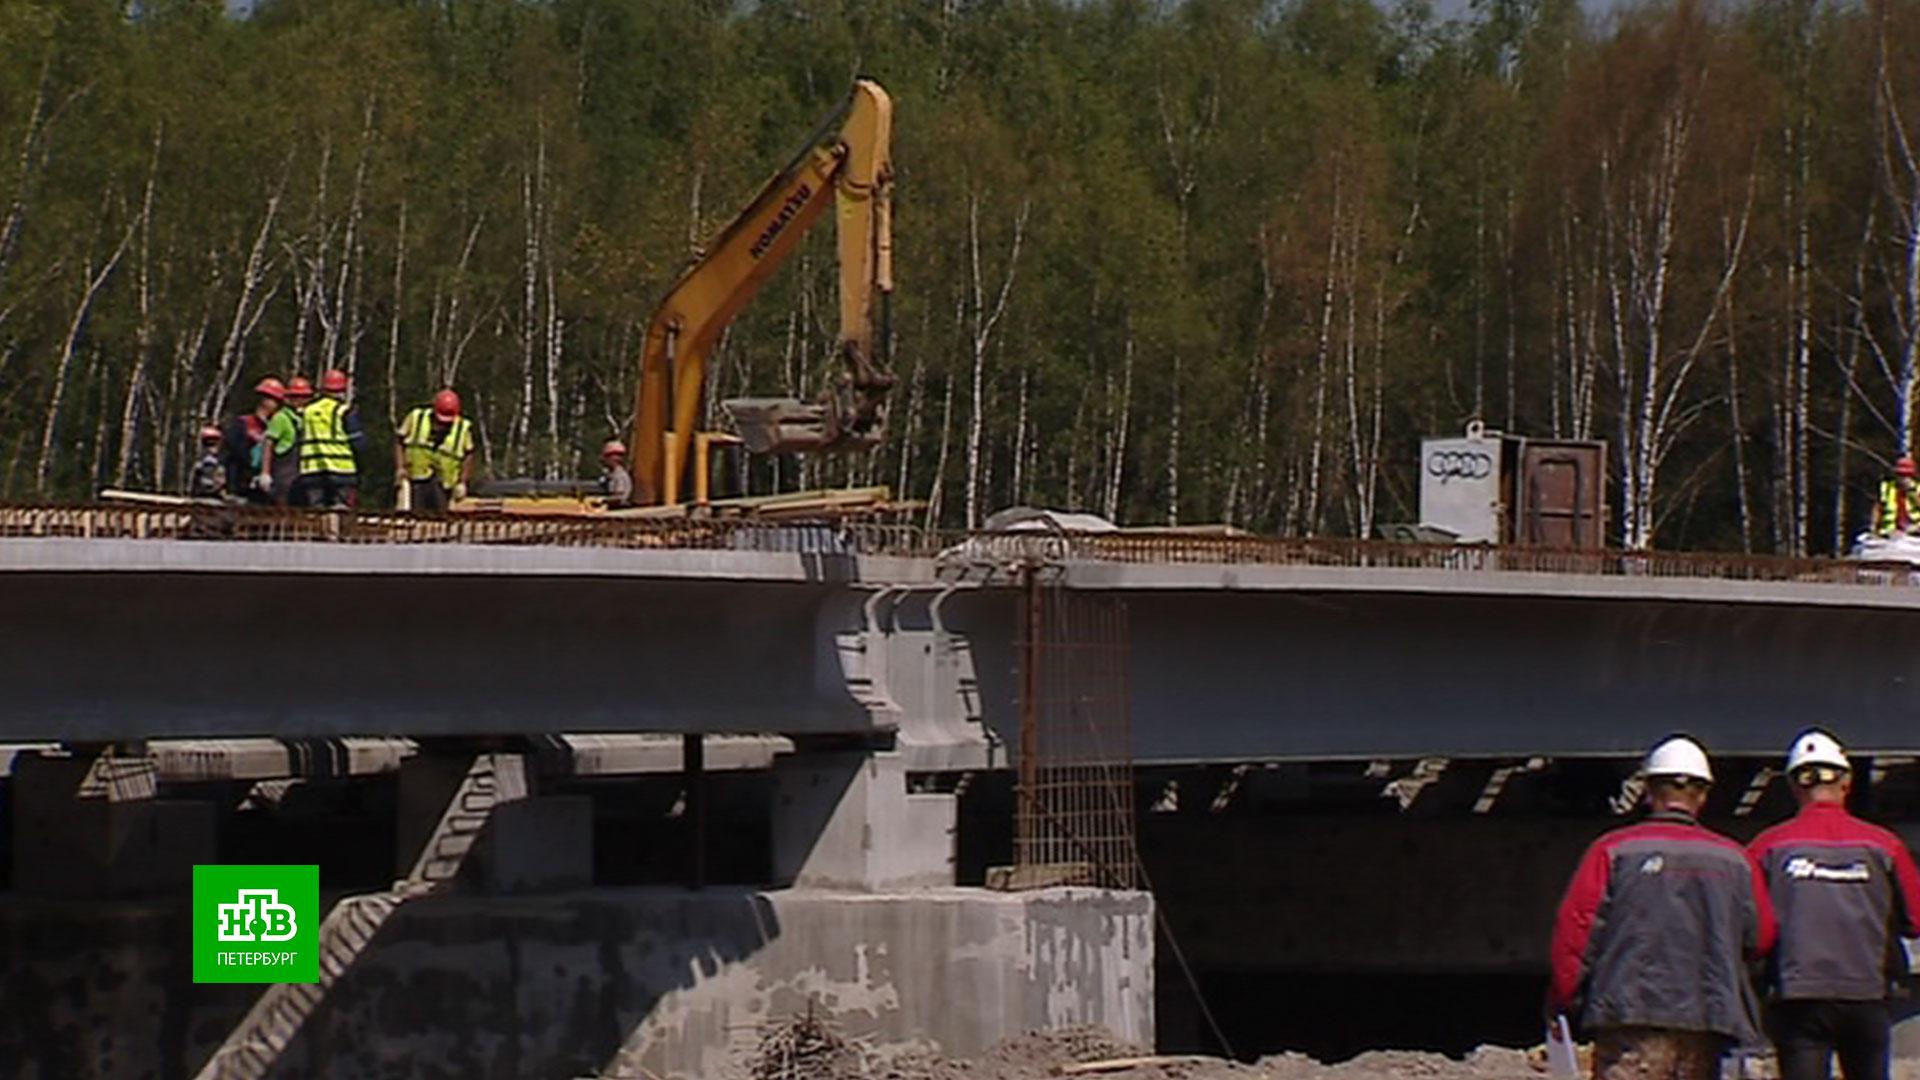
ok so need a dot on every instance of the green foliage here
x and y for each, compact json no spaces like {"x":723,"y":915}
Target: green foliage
{"x":1251,"y":250}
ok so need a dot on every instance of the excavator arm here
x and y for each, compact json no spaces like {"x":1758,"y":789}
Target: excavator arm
{"x":846,"y":165}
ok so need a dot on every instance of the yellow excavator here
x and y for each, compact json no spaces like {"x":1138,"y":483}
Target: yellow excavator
{"x":845,"y":164}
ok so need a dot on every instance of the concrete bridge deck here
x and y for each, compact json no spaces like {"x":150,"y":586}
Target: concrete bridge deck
{"x":1242,"y":649}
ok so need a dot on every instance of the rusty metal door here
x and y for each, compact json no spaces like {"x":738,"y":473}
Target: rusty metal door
{"x":1563,"y":494}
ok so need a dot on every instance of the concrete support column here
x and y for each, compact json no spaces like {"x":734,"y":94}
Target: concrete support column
{"x":92,"y":824}
{"x":474,"y":820}
{"x":845,"y":820}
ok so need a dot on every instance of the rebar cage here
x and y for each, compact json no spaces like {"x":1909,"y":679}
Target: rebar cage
{"x":1073,"y":808}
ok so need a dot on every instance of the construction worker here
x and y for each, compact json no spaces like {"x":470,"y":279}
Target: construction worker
{"x":1898,"y":510}
{"x":1651,"y":942}
{"x":435,"y":450}
{"x":329,"y":476}
{"x":1843,"y":889}
{"x":616,"y":481}
{"x":279,"y":449}
{"x":242,"y":439}
{"x":209,"y":477}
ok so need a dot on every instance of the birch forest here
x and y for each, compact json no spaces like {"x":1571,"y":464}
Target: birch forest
{"x":1212,"y":261}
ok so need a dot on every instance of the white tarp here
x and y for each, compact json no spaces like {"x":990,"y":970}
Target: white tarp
{"x":1900,"y":547}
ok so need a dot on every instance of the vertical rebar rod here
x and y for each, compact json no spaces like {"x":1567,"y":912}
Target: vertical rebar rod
{"x":1027,"y":809}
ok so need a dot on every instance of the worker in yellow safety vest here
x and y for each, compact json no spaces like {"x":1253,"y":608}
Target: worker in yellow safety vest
{"x":435,"y":452}
{"x":1898,"y":510}
{"x":329,"y":474}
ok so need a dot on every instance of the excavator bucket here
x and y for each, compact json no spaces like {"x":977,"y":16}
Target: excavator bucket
{"x":791,"y":426}
{"x":850,"y":415}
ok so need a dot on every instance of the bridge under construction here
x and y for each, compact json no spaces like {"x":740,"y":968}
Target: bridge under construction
{"x":127,"y":625}
{"x":566,"y":711}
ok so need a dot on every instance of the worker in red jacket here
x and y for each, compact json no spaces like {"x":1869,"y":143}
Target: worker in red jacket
{"x":1651,"y":944}
{"x":1844,"y":889}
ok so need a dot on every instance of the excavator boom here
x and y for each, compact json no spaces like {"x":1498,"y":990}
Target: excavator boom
{"x":846,"y":165}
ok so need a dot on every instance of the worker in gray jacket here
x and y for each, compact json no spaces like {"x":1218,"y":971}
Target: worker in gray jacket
{"x":615,"y":481}
{"x":1843,"y":888}
{"x":1651,"y":944}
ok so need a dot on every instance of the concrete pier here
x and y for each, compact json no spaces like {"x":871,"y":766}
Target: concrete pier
{"x":847,"y":821}
{"x":665,"y":983}
{"x":92,"y":824}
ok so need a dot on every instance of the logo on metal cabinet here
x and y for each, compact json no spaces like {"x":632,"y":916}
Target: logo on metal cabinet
{"x":1448,"y":465}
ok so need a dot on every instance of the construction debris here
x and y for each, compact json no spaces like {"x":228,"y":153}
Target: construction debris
{"x":810,"y":1048}
{"x":820,"y":502}
{"x":1126,"y":1064}
{"x":807,"y":1047}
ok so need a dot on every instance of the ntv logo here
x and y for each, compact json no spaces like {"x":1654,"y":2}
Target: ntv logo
{"x":256,"y":924}
{"x":257,"y":915}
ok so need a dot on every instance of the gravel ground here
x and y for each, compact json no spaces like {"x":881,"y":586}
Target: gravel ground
{"x":1043,"y":1057}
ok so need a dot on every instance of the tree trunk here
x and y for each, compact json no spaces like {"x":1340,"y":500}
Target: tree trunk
{"x":1900,"y":182}
{"x":555,"y":339}
{"x":90,"y":292}
{"x":937,"y":490}
{"x":1323,"y":361}
{"x":517,"y":437}
{"x":143,"y":332}
{"x":233,"y":348}
{"x":984,"y":316}
{"x":1173,"y":447}
{"x":1117,"y":448}
{"x":1017,"y":494}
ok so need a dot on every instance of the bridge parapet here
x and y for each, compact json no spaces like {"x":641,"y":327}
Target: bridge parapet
{"x":865,"y":535}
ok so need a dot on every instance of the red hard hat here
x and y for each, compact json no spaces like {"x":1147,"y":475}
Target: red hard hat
{"x":613,"y":448}
{"x":271,"y":387}
{"x":209,"y":433}
{"x":1904,"y":467}
{"x":299,"y":388}
{"x":334,"y":382}
{"x":446,"y":405}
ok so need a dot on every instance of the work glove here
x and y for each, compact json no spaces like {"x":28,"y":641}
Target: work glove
{"x":460,"y":490}
{"x":263,"y":484}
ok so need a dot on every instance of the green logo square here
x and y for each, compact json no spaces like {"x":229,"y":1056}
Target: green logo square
{"x":256,"y":924}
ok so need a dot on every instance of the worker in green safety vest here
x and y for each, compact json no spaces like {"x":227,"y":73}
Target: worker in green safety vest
{"x":435,"y":452}
{"x":280,"y":447}
{"x":1898,"y":510}
{"x":329,"y":472}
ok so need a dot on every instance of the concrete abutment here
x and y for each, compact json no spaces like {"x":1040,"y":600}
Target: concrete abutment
{"x":494,"y":953}
{"x":669,"y":983}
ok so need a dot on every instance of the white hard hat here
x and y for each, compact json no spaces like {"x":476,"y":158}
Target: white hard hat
{"x":1816,"y":747}
{"x":1678,"y":756}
